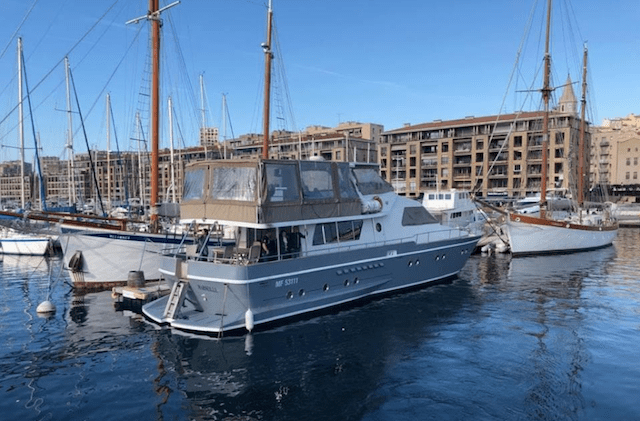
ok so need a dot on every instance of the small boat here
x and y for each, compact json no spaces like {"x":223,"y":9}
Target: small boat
{"x":530,"y":205}
{"x":14,"y":242}
{"x":455,"y":208}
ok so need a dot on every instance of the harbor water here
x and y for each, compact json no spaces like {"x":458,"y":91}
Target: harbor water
{"x":527,"y":338}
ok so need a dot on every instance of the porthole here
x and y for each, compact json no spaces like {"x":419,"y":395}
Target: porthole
{"x":301,"y":293}
{"x":346,"y":282}
{"x":289,"y":295}
{"x":410,"y":263}
{"x":437,"y":258}
{"x":356,"y":281}
{"x":417,"y":262}
{"x":325,"y":287}
{"x":378,"y":227}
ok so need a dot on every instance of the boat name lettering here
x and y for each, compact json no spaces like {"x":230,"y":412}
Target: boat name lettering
{"x":120,"y":237}
{"x":207,"y":288}
{"x":286,"y":282}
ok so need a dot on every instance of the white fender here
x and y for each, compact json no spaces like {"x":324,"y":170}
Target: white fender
{"x":248,"y":320}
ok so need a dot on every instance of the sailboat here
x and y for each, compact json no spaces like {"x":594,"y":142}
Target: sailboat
{"x":309,"y":235}
{"x":26,"y":240}
{"x":586,"y":229}
{"x":103,"y":257}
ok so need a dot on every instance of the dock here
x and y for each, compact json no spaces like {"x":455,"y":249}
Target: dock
{"x":134,"y":297}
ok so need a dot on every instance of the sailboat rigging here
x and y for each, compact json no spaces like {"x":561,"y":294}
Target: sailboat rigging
{"x":584,"y":230}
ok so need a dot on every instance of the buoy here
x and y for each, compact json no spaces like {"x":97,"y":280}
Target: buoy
{"x":46,"y":307}
{"x":248,"y":320}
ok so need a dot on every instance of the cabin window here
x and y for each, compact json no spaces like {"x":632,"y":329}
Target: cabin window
{"x":369,"y":182}
{"x":317,"y":181}
{"x":234,"y":183}
{"x":332,"y":232}
{"x":417,"y":215}
{"x":194,"y":184}
{"x":347,"y":189}
{"x":282,"y":183}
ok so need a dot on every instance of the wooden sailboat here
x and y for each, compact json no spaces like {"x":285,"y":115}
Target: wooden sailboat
{"x":585,"y":229}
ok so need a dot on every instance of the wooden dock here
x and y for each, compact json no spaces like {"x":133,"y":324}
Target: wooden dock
{"x":133,"y":298}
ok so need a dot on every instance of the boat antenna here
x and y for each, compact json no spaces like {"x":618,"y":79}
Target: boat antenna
{"x":268,"y":56}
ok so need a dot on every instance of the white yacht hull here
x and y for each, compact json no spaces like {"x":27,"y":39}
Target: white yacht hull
{"x":532,"y":235}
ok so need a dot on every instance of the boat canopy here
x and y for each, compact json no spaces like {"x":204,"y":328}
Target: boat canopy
{"x":272,"y":191}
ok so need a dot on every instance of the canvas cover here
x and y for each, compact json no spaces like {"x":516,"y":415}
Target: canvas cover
{"x":269,"y":191}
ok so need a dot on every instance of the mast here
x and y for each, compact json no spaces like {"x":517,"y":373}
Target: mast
{"x":155,"y":109}
{"x":581,"y":145}
{"x":268,"y":55}
{"x":70,"y":167}
{"x":202,"y":110}
{"x":20,"y":123}
{"x":173,"y":178}
{"x":224,"y":126}
{"x":546,"y":93}
{"x":109,"y":152}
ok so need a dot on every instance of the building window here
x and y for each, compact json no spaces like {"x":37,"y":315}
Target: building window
{"x":628,"y":161}
{"x":626,"y":176}
{"x":635,"y":175}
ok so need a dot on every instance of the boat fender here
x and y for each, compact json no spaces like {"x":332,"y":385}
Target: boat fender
{"x":248,"y":320}
{"x":75,"y":263}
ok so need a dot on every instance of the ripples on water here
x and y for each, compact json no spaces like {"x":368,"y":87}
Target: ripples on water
{"x":553,"y":337}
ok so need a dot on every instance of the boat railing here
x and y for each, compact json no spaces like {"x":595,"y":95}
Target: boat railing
{"x":231,"y":254}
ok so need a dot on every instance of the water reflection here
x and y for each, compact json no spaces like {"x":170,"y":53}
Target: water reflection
{"x":303,"y":370}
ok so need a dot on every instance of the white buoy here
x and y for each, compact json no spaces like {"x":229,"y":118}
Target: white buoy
{"x":248,"y":320}
{"x":46,"y":307}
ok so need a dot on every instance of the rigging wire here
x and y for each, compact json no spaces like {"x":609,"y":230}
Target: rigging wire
{"x":62,"y":59}
{"x":12,"y":37}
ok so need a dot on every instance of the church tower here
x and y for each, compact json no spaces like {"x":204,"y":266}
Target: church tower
{"x":568,"y":102}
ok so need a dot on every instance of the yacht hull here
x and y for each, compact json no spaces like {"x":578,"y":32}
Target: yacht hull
{"x":223,"y":298}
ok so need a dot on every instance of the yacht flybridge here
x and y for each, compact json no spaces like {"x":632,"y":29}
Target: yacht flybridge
{"x":297,"y":237}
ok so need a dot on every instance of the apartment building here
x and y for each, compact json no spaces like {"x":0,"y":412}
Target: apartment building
{"x":346,"y":143}
{"x":12,"y":186}
{"x":493,"y":155}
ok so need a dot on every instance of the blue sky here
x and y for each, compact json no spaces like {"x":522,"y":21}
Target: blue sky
{"x":362,"y":60}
